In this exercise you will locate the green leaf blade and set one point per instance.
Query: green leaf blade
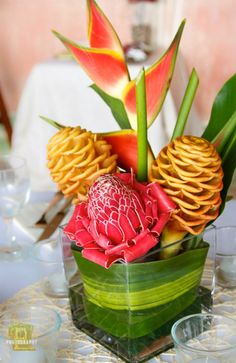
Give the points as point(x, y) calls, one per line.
point(141, 106)
point(223, 108)
point(186, 105)
point(221, 131)
point(229, 165)
point(116, 106)
point(222, 139)
point(52, 122)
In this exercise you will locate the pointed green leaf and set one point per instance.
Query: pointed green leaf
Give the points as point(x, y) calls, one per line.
point(221, 131)
point(221, 140)
point(229, 165)
point(186, 105)
point(52, 122)
point(223, 108)
point(116, 106)
point(228, 150)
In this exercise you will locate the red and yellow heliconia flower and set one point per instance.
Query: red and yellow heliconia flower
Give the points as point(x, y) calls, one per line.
point(158, 78)
point(125, 145)
point(104, 62)
point(101, 33)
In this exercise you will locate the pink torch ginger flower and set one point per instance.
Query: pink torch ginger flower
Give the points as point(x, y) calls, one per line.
point(122, 219)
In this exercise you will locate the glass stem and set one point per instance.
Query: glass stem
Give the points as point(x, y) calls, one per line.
point(10, 238)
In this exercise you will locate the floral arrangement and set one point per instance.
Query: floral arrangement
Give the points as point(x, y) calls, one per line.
point(189, 170)
point(133, 206)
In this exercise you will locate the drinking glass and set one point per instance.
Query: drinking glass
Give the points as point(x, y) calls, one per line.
point(14, 193)
point(205, 338)
point(70, 267)
point(49, 254)
point(225, 261)
point(29, 334)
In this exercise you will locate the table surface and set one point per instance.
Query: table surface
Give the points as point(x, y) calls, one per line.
point(20, 275)
point(23, 272)
point(75, 346)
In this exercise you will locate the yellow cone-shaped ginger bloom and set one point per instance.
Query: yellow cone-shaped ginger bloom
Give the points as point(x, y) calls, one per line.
point(76, 157)
point(189, 169)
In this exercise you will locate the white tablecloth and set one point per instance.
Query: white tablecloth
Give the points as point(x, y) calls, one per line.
point(75, 346)
point(58, 89)
point(16, 275)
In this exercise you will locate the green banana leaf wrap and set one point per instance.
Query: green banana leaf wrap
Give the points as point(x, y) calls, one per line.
point(133, 299)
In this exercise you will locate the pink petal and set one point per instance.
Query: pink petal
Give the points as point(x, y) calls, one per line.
point(144, 242)
point(165, 204)
point(70, 228)
point(148, 211)
point(140, 187)
point(140, 237)
point(127, 226)
point(99, 257)
point(126, 177)
point(83, 237)
point(114, 233)
point(93, 229)
point(117, 250)
point(160, 224)
point(90, 246)
point(86, 222)
point(82, 210)
point(134, 219)
point(104, 242)
point(140, 213)
point(154, 209)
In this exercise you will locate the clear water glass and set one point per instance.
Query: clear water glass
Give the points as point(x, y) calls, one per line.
point(70, 267)
point(205, 338)
point(48, 253)
point(29, 334)
point(14, 194)
point(225, 261)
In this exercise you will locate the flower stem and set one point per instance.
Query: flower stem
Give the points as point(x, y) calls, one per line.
point(10, 250)
point(142, 126)
point(186, 105)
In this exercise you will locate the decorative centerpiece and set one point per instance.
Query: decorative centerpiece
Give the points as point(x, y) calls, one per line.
point(138, 223)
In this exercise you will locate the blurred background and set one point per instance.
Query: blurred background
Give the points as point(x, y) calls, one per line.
point(208, 42)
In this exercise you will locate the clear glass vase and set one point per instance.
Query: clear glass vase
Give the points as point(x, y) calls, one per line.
point(131, 307)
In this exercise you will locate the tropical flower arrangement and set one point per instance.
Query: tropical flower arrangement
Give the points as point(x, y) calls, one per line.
point(135, 211)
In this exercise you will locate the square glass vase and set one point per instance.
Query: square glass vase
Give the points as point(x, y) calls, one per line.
point(131, 307)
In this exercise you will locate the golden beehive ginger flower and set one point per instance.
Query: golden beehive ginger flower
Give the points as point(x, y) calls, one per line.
point(189, 169)
point(76, 157)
